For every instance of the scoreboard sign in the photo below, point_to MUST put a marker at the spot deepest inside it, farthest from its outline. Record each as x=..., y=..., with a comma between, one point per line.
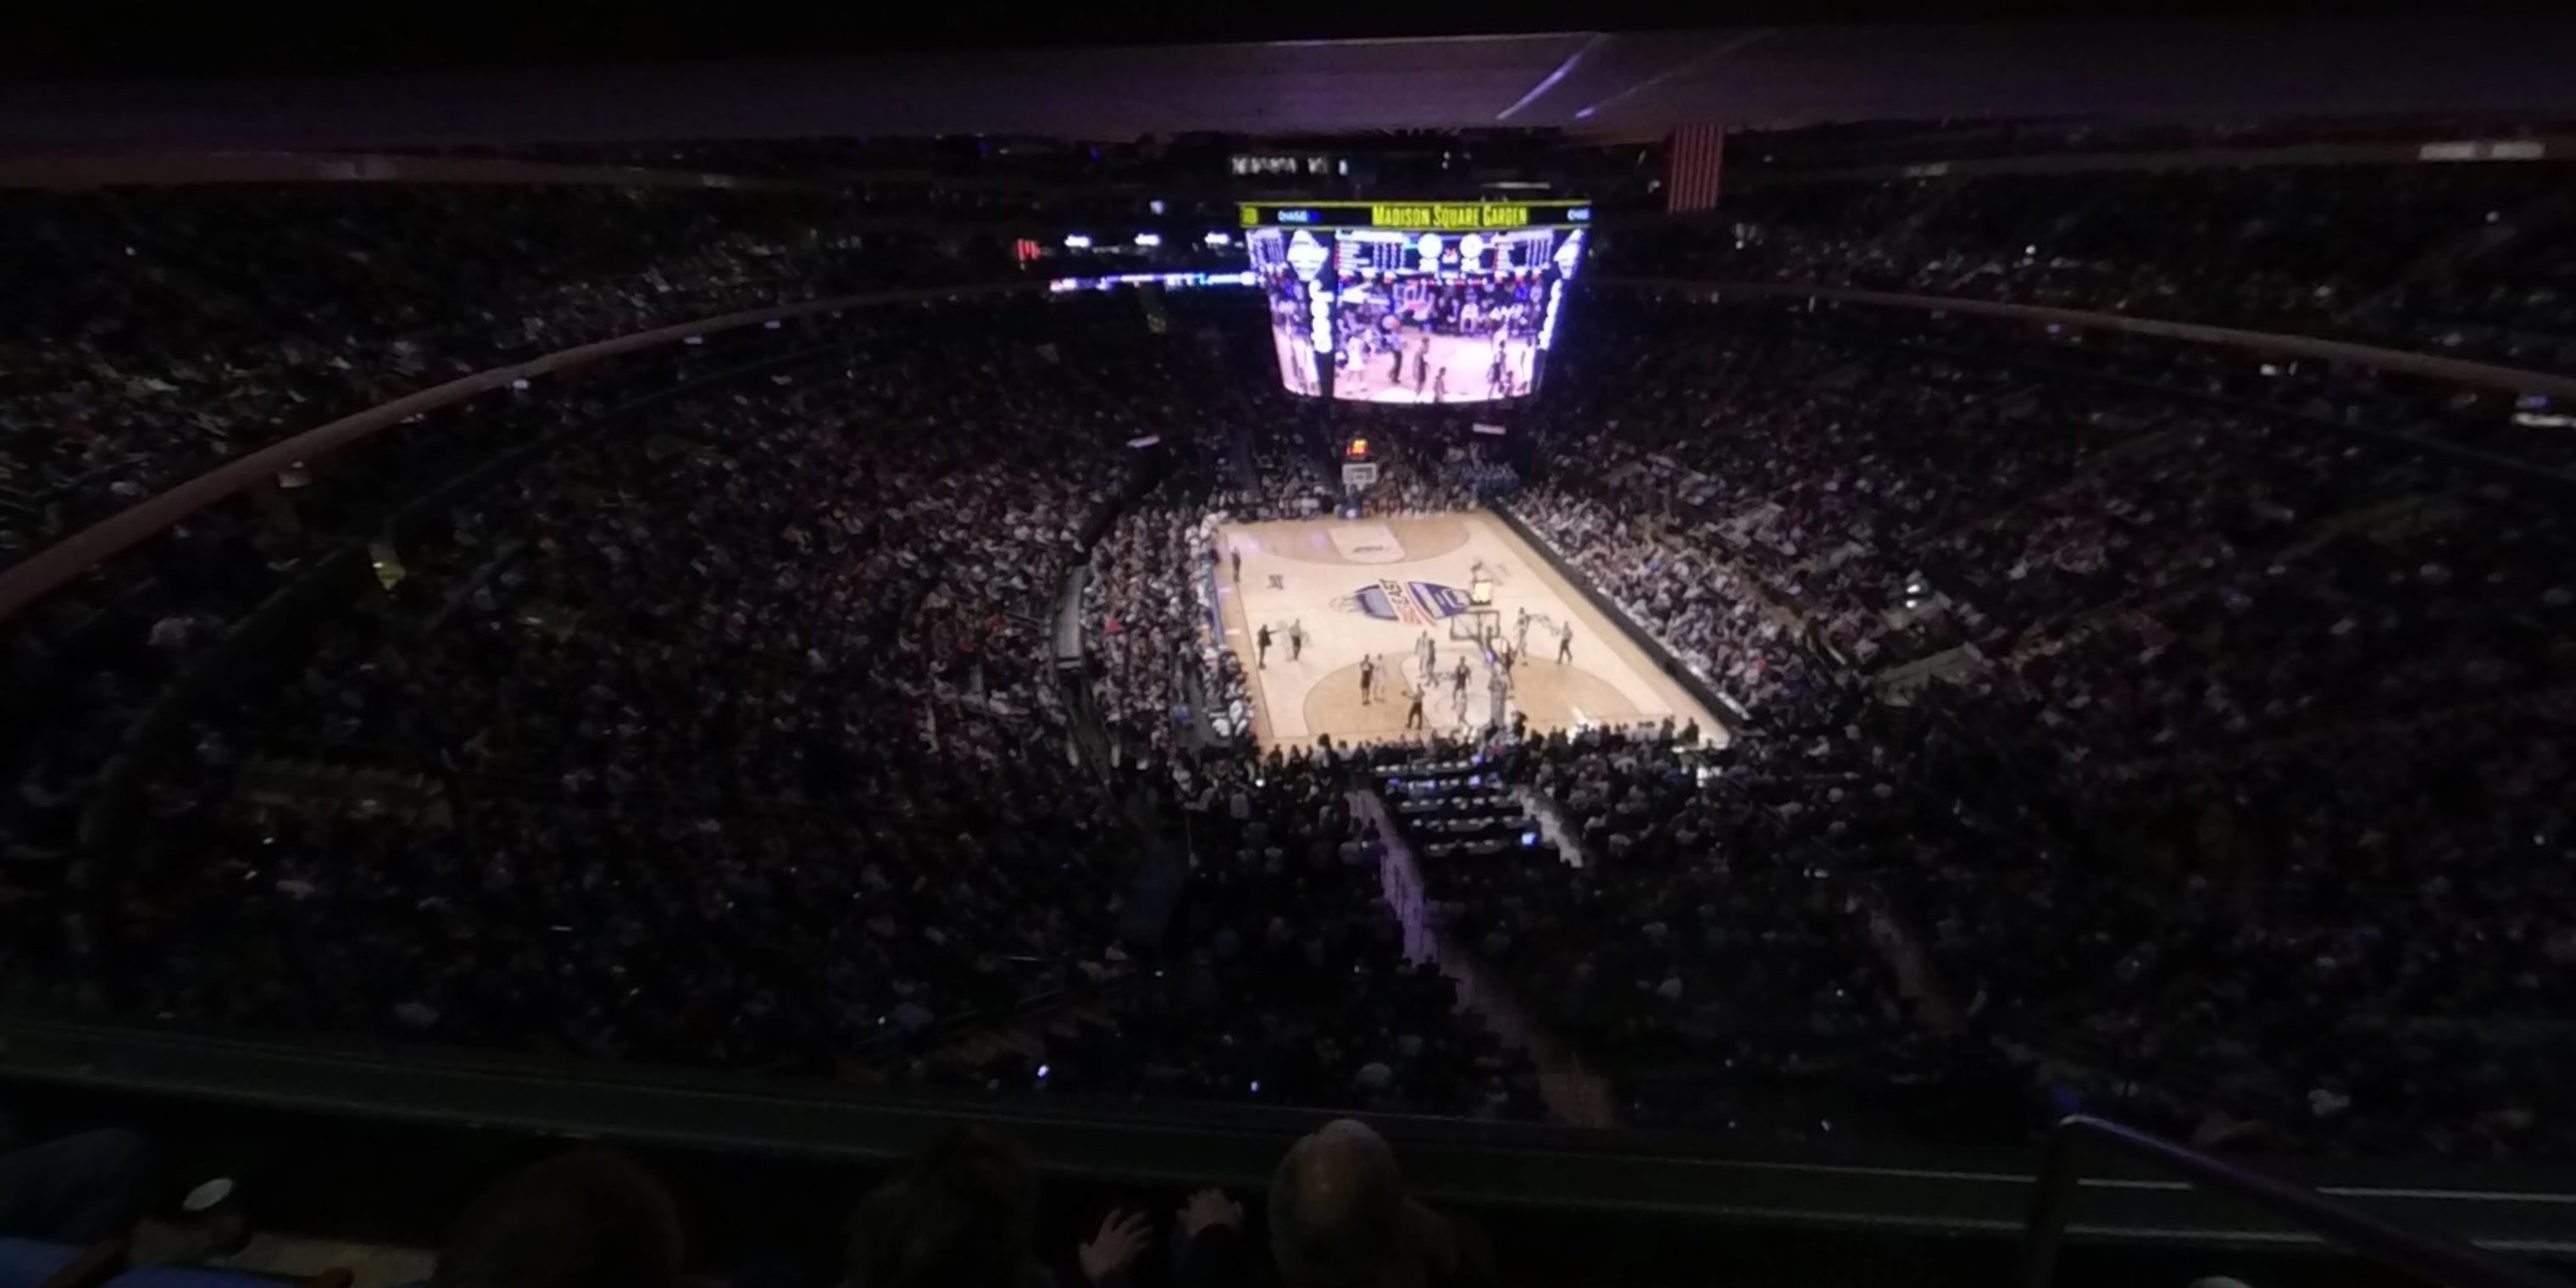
x=1423, y=302
x=1418, y=216
x=1479, y=215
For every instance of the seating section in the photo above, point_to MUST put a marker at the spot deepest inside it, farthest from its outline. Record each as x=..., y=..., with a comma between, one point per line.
x=1457, y=809
x=2113, y=721
x=2229, y=783
x=1293, y=979
x=153, y=331
x=728, y=738
x=2472, y=260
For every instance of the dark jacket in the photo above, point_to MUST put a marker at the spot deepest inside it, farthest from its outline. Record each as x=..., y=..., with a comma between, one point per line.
x=1455, y=1254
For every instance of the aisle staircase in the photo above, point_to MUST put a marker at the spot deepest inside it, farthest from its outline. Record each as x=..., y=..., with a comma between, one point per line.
x=1573, y=1093
x=1551, y=825
x=1952, y=665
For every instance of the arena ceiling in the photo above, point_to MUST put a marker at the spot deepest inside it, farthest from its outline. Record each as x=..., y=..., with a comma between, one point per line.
x=1615, y=85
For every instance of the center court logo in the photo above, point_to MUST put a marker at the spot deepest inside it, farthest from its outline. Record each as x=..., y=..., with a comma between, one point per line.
x=1414, y=603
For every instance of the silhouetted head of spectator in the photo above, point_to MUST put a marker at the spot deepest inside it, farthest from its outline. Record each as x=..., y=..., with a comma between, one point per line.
x=590, y=1218
x=1339, y=1217
x=962, y=1215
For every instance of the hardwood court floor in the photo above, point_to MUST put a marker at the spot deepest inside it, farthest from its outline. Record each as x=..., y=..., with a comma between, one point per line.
x=1373, y=587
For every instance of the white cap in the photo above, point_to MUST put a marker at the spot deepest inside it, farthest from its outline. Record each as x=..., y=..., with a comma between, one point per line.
x=205, y=1197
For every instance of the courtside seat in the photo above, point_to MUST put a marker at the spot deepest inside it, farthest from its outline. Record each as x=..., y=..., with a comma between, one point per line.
x=1396, y=777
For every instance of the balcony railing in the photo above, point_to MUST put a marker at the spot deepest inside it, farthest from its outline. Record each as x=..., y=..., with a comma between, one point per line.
x=2418, y=1250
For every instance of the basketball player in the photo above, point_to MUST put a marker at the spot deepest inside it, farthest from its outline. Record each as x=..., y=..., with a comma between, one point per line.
x=1264, y=638
x=1413, y=712
x=1522, y=626
x=1565, y=644
x=1368, y=677
x=1238, y=566
x=1440, y=386
x=1501, y=689
x=1296, y=638
x=1458, y=680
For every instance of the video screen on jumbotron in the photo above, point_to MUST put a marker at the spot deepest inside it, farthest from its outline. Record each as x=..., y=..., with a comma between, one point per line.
x=1414, y=302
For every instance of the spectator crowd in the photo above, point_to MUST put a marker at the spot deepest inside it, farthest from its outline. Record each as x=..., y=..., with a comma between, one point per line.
x=2097, y=723
x=732, y=738
x=965, y=1211
x=2218, y=747
x=2474, y=260
x=161, y=329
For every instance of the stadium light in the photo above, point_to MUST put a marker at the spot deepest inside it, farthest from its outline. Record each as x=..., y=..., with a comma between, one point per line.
x=1219, y=239
x=1077, y=241
x=1149, y=239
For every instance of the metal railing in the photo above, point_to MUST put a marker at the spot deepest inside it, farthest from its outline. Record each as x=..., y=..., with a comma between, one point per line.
x=2434, y=1257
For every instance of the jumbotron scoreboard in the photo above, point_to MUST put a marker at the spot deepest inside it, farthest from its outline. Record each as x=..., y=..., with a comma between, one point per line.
x=1414, y=301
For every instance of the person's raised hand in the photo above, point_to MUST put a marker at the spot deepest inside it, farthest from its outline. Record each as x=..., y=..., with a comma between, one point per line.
x=1123, y=1237
x=1207, y=1208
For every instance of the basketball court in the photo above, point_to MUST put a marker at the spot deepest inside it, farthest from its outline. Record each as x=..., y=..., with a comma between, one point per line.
x=1438, y=369
x=1373, y=588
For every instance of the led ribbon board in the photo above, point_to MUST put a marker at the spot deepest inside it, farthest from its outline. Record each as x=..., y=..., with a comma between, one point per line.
x=1416, y=216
